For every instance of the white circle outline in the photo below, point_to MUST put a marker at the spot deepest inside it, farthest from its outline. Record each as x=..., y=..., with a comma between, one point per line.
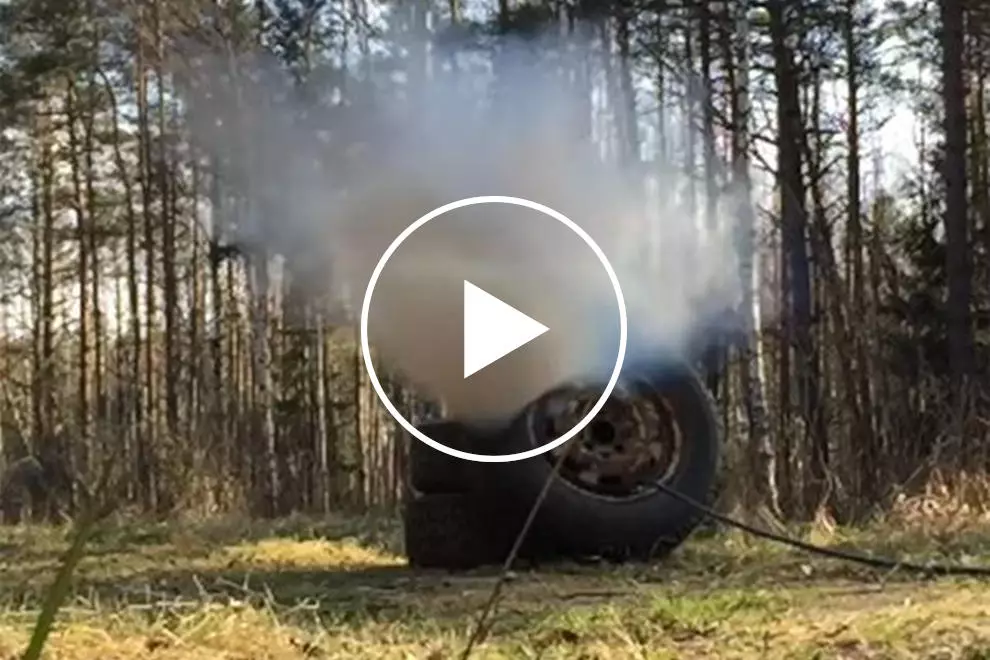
x=567, y=222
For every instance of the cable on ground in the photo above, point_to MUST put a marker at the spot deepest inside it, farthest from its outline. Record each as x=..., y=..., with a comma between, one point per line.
x=872, y=561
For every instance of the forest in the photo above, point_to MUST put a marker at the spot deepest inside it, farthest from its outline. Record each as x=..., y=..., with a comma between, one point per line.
x=194, y=462
x=150, y=341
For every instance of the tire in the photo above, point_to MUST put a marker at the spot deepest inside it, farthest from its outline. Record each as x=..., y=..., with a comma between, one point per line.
x=434, y=472
x=452, y=531
x=576, y=522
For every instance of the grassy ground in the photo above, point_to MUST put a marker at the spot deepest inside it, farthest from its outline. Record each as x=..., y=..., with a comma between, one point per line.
x=339, y=589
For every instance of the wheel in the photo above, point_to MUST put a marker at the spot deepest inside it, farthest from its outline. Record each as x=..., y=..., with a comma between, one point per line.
x=659, y=425
x=452, y=531
x=434, y=472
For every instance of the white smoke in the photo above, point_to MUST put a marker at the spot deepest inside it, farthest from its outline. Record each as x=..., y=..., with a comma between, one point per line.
x=332, y=208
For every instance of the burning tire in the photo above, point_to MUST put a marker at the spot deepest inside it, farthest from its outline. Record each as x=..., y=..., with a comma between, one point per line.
x=660, y=425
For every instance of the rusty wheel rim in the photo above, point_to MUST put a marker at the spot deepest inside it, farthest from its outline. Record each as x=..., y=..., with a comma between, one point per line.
x=633, y=443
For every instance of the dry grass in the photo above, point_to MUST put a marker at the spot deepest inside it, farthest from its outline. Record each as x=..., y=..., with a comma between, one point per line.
x=339, y=589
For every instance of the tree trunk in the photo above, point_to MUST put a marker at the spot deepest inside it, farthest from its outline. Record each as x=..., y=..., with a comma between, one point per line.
x=135, y=439
x=790, y=182
x=148, y=434
x=167, y=221
x=630, y=119
x=864, y=439
x=956, y=218
x=761, y=491
x=82, y=272
x=714, y=353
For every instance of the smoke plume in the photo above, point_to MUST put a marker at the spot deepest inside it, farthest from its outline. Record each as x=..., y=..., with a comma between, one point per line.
x=332, y=185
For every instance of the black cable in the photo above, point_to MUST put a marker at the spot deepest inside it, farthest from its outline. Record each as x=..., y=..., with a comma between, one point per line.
x=891, y=564
x=930, y=569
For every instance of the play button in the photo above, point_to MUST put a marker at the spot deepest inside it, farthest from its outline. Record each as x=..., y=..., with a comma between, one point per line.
x=493, y=329
x=495, y=302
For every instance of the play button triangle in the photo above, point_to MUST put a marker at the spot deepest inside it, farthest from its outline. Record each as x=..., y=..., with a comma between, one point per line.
x=493, y=329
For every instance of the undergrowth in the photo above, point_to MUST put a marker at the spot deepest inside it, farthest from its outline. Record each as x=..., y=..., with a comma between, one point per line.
x=338, y=588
